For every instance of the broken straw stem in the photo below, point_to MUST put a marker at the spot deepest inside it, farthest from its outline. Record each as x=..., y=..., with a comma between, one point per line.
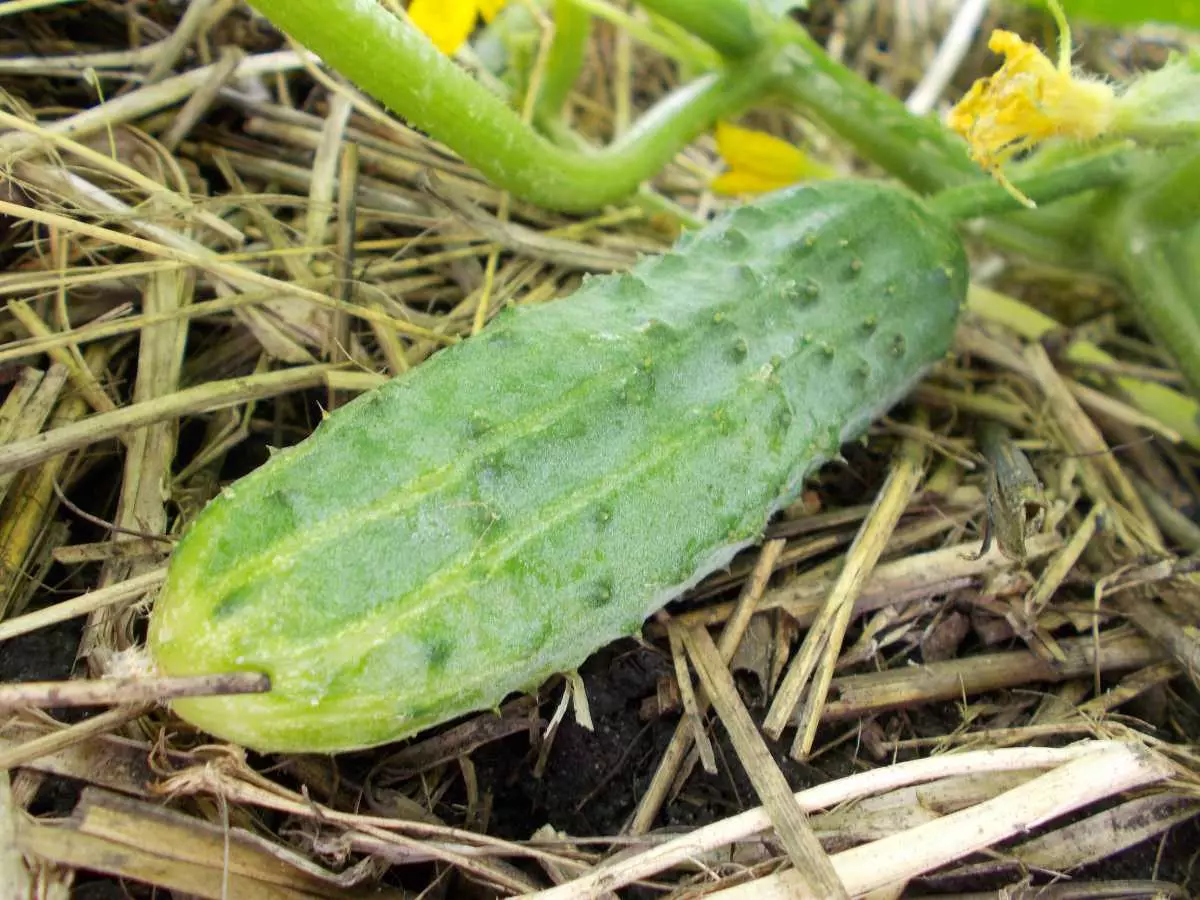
x=106, y=691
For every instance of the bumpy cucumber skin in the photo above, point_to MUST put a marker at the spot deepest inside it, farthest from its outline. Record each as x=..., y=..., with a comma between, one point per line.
x=530, y=494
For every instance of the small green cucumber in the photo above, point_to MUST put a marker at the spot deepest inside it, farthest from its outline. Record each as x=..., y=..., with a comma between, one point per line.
x=535, y=492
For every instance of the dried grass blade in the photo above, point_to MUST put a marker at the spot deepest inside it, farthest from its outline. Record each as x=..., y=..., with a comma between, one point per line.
x=685, y=847
x=110, y=595
x=674, y=760
x=814, y=876
x=55, y=741
x=134, y=689
x=824, y=641
x=895, y=859
x=860, y=695
x=190, y=401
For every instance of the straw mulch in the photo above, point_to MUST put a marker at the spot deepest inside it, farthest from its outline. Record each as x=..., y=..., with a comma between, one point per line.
x=206, y=241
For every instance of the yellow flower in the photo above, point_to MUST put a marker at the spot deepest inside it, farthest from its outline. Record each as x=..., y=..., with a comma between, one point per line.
x=448, y=23
x=759, y=162
x=1027, y=101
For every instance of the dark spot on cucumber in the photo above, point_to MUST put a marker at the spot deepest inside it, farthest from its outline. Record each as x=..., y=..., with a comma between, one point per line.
x=738, y=349
x=833, y=441
x=514, y=567
x=812, y=290
x=862, y=371
x=603, y=514
x=870, y=323
x=499, y=338
x=572, y=427
x=670, y=265
x=856, y=266
x=733, y=241
x=599, y=593
x=438, y=650
x=482, y=520
x=827, y=350
x=492, y=467
x=724, y=422
x=899, y=345
x=420, y=713
x=542, y=636
x=798, y=253
x=632, y=289
x=781, y=423
x=478, y=424
x=750, y=279
x=639, y=389
x=751, y=218
x=659, y=332
x=784, y=418
x=731, y=528
x=233, y=601
x=281, y=504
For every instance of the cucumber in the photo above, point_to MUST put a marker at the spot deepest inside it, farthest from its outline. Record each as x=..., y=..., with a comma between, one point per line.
x=535, y=492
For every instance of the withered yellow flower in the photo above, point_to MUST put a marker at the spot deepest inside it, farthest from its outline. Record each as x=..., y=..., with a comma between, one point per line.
x=448, y=23
x=1029, y=100
x=759, y=162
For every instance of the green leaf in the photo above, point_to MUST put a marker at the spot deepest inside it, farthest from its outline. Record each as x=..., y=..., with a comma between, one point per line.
x=1122, y=12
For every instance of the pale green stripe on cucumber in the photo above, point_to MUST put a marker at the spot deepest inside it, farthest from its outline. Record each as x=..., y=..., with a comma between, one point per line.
x=530, y=494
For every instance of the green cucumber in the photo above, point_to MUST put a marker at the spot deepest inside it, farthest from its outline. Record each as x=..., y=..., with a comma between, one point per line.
x=535, y=492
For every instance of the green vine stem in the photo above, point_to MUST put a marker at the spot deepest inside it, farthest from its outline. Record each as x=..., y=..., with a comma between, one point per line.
x=1151, y=240
x=920, y=151
x=1154, y=267
x=572, y=28
x=1145, y=231
x=389, y=59
x=667, y=38
x=1170, y=197
x=988, y=198
x=725, y=25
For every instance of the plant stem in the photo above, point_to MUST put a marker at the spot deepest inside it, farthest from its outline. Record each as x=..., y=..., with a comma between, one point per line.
x=1153, y=266
x=692, y=54
x=1151, y=239
x=725, y=25
x=1172, y=199
x=919, y=151
x=988, y=198
x=572, y=28
x=389, y=59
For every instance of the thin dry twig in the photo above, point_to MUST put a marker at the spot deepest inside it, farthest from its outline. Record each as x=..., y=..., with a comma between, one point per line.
x=134, y=689
x=815, y=877
x=897, y=858
x=673, y=759
x=824, y=641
